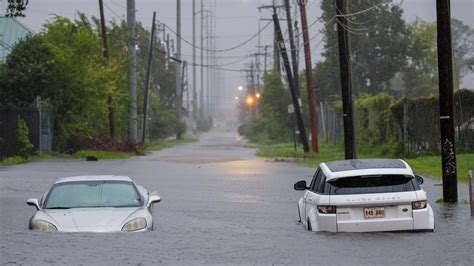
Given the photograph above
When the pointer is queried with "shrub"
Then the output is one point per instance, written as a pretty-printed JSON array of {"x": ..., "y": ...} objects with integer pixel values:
[
  {"x": 204, "y": 124},
  {"x": 180, "y": 129},
  {"x": 24, "y": 144}
]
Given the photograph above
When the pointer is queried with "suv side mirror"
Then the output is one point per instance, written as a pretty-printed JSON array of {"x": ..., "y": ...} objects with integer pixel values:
[
  {"x": 300, "y": 185},
  {"x": 419, "y": 179},
  {"x": 34, "y": 203}
]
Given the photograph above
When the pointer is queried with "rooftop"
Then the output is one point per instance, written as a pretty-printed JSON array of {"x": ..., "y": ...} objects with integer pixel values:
[
  {"x": 365, "y": 167},
  {"x": 11, "y": 31},
  {"x": 358, "y": 164}
]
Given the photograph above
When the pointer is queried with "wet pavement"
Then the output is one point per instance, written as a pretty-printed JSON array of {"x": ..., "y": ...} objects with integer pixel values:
[{"x": 220, "y": 205}]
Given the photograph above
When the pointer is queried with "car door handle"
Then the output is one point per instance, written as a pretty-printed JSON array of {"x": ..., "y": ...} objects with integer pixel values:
[{"x": 310, "y": 199}]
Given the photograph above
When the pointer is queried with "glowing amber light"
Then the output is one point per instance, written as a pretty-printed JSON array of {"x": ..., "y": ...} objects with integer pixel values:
[{"x": 249, "y": 100}]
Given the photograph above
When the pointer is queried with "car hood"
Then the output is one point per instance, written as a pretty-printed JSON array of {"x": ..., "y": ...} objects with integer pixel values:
[{"x": 89, "y": 219}]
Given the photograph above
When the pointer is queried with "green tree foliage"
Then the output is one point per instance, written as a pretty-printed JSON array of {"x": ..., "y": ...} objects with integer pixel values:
[
  {"x": 463, "y": 50},
  {"x": 420, "y": 76},
  {"x": 28, "y": 72},
  {"x": 23, "y": 141},
  {"x": 273, "y": 123},
  {"x": 64, "y": 65},
  {"x": 379, "y": 44},
  {"x": 16, "y": 8}
]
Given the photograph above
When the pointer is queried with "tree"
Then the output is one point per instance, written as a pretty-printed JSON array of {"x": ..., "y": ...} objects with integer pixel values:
[
  {"x": 379, "y": 43},
  {"x": 463, "y": 50},
  {"x": 16, "y": 8},
  {"x": 29, "y": 71},
  {"x": 23, "y": 141},
  {"x": 273, "y": 123},
  {"x": 64, "y": 65},
  {"x": 420, "y": 76}
]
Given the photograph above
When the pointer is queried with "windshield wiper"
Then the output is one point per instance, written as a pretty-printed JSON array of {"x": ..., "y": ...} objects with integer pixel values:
[{"x": 58, "y": 208}]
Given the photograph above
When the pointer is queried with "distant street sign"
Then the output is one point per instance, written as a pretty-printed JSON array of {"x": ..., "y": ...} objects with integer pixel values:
[{"x": 291, "y": 108}]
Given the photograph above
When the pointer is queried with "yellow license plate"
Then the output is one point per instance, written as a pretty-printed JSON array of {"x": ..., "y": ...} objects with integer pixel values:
[{"x": 375, "y": 212}]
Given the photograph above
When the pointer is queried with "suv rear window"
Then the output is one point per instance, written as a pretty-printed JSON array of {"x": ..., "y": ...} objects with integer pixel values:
[{"x": 372, "y": 184}]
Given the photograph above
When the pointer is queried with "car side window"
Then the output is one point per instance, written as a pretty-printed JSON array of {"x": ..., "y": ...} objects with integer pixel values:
[
  {"x": 317, "y": 183},
  {"x": 314, "y": 178},
  {"x": 322, "y": 185}
]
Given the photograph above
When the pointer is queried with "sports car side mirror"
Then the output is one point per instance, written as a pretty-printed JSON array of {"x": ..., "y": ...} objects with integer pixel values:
[
  {"x": 34, "y": 203},
  {"x": 300, "y": 185},
  {"x": 153, "y": 198},
  {"x": 419, "y": 179}
]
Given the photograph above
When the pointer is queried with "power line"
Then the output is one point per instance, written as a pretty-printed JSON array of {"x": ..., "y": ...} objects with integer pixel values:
[
  {"x": 362, "y": 11},
  {"x": 113, "y": 12},
  {"x": 221, "y": 50}
]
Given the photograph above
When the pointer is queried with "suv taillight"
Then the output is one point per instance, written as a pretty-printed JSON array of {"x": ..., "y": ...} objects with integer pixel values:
[
  {"x": 416, "y": 205},
  {"x": 326, "y": 209}
]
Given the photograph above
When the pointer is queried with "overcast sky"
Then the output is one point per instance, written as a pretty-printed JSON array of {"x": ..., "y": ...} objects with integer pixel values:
[{"x": 237, "y": 20}]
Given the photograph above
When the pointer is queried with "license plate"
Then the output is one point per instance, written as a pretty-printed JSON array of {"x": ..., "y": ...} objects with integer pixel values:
[{"x": 376, "y": 212}]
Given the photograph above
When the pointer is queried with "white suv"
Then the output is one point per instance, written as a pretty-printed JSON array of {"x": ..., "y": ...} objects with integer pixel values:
[{"x": 364, "y": 196}]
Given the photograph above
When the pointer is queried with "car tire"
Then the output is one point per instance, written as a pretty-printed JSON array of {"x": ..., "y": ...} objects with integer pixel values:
[{"x": 309, "y": 226}]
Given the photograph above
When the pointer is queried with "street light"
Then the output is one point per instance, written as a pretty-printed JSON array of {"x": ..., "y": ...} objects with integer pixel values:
[
  {"x": 241, "y": 88},
  {"x": 250, "y": 100},
  {"x": 257, "y": 95},
  {"x": 237, "y": 98}
]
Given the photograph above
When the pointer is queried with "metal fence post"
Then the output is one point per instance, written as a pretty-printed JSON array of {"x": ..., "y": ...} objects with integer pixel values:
[{"x": 471, "y": 196}]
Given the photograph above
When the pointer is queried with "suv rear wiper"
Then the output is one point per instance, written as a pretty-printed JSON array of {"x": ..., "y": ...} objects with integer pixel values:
[{"x": 58, "y": 208}]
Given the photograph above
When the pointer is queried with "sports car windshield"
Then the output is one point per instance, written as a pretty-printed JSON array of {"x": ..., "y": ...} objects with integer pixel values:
[{"x": 93, "y": 194}]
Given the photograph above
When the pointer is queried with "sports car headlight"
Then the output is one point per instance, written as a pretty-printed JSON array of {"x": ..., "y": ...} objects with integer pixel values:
[
  {"x": 134, "y": 225},
  {"x": 40, "y": 225}
]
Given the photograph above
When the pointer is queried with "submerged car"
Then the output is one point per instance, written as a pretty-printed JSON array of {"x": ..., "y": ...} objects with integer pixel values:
[
  {"x": 364, "y": 196},
  {"x": 94, "y": 204}
]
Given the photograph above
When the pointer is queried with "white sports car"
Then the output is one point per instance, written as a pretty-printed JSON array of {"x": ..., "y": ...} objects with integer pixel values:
[
  {"x": 364, "y": 196},
  {"x": 94, "y": 204}
]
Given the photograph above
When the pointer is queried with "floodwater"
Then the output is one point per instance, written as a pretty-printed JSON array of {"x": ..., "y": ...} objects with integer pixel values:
[{"x": 220, "y": 205}]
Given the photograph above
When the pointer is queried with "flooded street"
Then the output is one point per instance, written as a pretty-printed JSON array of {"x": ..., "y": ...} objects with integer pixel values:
[{"x": 220, "y": 204}]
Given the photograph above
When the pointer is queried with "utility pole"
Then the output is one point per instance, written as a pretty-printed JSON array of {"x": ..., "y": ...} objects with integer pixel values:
[
  {"x": 179, "y": 100},
  {"x": 294, "y": 58},
  {"x": 309, "y": 78},
  {"x": 104, "y": 30},
  {"x": 346, "y": 82},
  {"x": 167, "y": 50},
  {"x": 276, "y": 54},
  {"x": 265, "y": 54},
  {"x": 445, "y": 72},
  {"x": 183, "y": 86},
  {"x": 132, "y": 70},
  {"x": 148, "y": 79},
  {"x": 208, "y": 70},
  {"x": 185, "y": 83},
  {"x": 257, "y": 66},
  {"x": 194, "y": 63},
  {"x": 201, "y": 112},
  {"x": 265, "y": 59},
  {"x": 289, "y": 74},
  {"x": 106, "y": 56}
]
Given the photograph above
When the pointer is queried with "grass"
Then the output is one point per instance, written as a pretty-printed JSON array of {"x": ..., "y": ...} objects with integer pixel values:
[
  {"x": 103, "y": 155},
  {"x": 164, "y": 144},
  {"x": 15, "y": 160},
  {"x": 429, "y": 165},
  {"x": 20, "y": 160}
]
